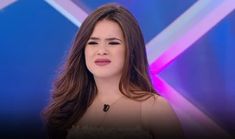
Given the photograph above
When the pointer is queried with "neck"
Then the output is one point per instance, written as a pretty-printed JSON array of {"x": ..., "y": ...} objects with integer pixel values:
[{"x": 108, "y": 87}]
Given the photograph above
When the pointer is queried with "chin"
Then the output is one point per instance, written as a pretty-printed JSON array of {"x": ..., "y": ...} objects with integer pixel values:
[
  {"x": 105, "y": 74},
  {"x": 102, "y": 75}
]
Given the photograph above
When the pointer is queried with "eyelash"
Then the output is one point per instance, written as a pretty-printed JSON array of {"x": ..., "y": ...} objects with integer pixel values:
[
  {"x": 92, "y": 43},
  {"x": 95, "y": 43},
  {"x": 114, "y": 43}
]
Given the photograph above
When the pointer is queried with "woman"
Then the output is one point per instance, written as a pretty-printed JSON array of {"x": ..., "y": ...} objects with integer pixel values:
[{"x": 104, "y": 89}]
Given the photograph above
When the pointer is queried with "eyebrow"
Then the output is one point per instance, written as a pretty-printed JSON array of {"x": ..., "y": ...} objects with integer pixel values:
[{"x": 108, "y": 39}]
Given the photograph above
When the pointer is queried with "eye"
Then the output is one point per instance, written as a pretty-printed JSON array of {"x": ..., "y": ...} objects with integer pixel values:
[
  {"x": 92, "y": 43},
  {"x": 114, "y": 43}
]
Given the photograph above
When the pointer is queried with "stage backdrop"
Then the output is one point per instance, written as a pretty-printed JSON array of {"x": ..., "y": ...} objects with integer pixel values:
[{"x": 190, "y": 46}]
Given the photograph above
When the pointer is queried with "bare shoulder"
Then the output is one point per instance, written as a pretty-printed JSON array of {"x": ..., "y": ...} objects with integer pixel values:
[
  {"x": 157, "y": 105},
  {"x": 159, "y": 116}
]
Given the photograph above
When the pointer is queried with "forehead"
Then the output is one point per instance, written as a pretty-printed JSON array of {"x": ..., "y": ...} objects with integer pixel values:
[{"x": 107, "y": 28}]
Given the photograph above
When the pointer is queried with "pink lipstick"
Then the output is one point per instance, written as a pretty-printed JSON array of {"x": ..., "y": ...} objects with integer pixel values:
[{"x": 102, "y": 62}]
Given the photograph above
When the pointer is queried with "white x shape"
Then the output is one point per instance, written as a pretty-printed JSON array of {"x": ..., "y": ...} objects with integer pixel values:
[{"x": 167, "y": 45}]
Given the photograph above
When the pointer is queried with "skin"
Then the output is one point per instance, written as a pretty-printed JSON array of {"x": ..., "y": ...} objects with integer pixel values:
[
  {"x": 159, "y": 117},
  {"x": 107, "y": 41}
]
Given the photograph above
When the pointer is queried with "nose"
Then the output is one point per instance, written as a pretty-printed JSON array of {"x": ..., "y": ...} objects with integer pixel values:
[{"x": 102, "y": 50}]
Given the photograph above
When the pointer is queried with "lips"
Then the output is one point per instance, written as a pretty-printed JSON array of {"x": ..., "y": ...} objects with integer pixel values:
[{"x": 102, "y": 62}]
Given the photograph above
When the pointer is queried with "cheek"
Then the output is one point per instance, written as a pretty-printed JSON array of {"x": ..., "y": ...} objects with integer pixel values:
[
  {"x": 120, "y": 57},
  {"x": 122, "y": 54},
  {"x": 87, "y": 53}
]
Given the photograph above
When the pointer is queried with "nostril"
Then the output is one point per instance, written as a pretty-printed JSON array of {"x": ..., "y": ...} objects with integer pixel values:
[{"x": 102, "y": 52}]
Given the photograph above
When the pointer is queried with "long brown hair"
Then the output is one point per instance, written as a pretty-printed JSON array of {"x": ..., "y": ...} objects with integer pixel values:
[{"x": 75, "y": 88}]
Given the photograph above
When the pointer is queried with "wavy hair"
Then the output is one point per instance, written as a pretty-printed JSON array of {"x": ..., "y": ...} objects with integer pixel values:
[{"x": 75, "y": 89}]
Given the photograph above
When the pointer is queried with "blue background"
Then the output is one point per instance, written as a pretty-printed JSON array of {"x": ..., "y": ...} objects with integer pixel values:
[{"x": 35, "y": 38}]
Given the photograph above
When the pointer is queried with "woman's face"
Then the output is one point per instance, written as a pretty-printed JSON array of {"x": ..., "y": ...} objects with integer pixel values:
[{"x": 104, "y": 51}]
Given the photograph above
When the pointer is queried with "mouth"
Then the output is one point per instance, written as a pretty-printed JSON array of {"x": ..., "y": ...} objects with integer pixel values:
[{"x": 102, "y": 62}]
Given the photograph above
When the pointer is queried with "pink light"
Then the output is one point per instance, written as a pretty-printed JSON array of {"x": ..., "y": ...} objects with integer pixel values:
[
  {"x": 191, "y": 117},
  {"x": 73, "y": 9},
  {"x": 193, "y": 35},
  {"x": 5, "y": 3},
  {"x": 193, "y": 121},
  {"x": 70, "y": 10}
]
